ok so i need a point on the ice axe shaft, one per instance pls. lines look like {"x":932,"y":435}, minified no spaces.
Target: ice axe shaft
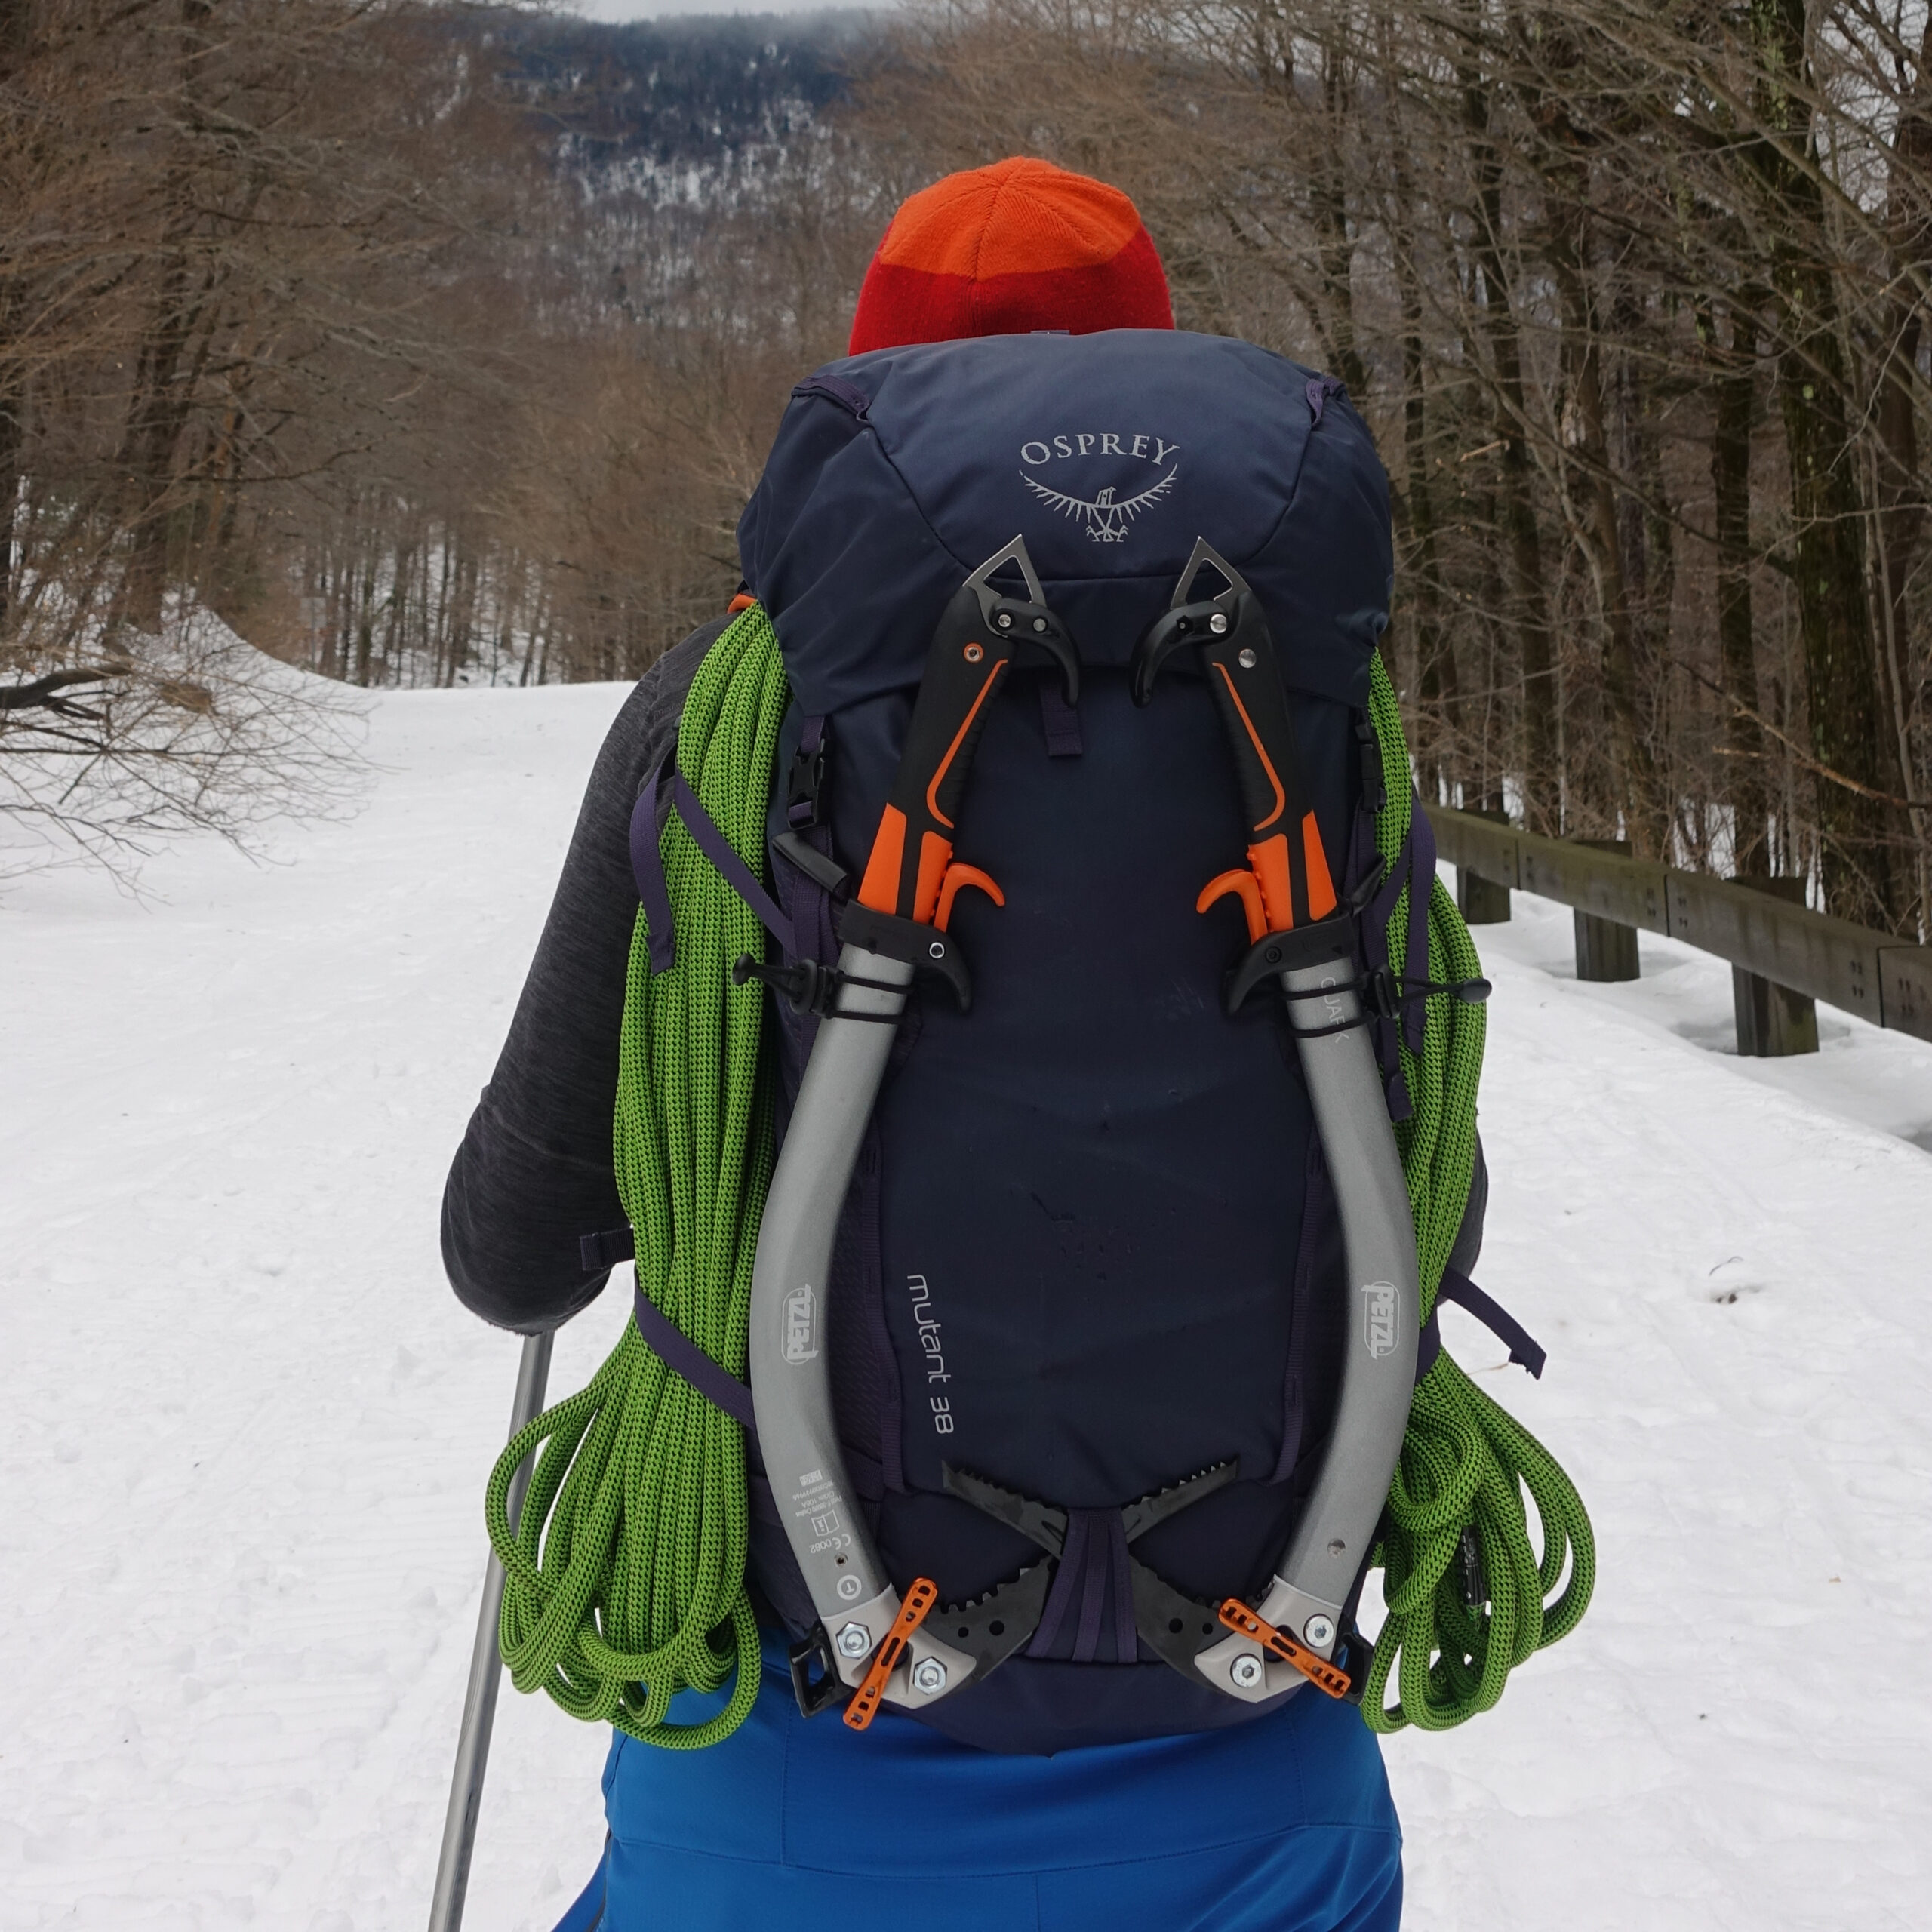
{"x":486,"y":1667}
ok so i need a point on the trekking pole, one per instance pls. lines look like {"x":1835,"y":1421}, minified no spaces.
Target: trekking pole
{"x":486,"y":1665}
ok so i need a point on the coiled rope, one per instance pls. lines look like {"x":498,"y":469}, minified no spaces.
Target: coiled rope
{"x":1464,"y":1462}
{"x":626,"y":1574}
{"x":638,"y":1589}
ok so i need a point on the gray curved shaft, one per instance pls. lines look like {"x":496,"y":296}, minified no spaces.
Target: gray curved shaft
{"x":1378,"y":1234}
{"x":790,"y":1366}
{"x":486,"y":1669}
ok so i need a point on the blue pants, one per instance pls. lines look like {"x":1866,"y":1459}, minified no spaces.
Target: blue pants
{"x":1284,"y":1825}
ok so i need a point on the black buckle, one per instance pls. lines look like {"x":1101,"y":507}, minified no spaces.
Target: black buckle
{"x":803,"y":784}
{"x":1354,"y":1653}
{"x":829,"y":1688}
{"x":1381,"y":993}
{"x":1470,"y":1573}
{"x":807,"y":987}
{"x":825,"y":873}
{"x":1374,"y":783}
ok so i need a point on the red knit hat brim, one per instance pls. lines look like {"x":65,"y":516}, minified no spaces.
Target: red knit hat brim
{"x":1065,"y":252}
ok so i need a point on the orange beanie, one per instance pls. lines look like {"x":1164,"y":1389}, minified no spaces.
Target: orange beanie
{"x":1001,"y":251}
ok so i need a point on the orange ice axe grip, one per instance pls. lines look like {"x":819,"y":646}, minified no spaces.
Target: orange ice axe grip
{"x":1319,"y":1671}
{"x":1228,"y":633}
{"x":956,"y":879}
{"x":1247,"y":888}
{"x":913,"y":846}
{"x":909,"y":873}
{"x":1284,"y":851}
{"x":870,"y":1693}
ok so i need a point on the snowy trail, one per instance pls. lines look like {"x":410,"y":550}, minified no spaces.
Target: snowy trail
{"x":248,"y":1426}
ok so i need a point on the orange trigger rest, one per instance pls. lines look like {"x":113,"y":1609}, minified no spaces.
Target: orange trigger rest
{"x":1246,"y":887}
{"x":956,"y":876}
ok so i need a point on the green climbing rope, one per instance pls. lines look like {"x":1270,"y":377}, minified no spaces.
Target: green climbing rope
{"x":637,"y":1591}
{"x":1464,"y":1462}
{"x":626,"y":1572}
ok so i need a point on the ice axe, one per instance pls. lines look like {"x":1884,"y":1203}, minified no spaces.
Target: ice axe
{"x":486,"y":1665}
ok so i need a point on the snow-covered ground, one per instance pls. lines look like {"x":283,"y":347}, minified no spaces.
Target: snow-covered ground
{"x":247,"y":1426}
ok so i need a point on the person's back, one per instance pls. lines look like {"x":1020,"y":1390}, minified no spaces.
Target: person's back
{"x":1082,"y":1330}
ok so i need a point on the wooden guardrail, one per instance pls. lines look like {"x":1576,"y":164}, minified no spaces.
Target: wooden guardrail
{"x":1871,"y":974}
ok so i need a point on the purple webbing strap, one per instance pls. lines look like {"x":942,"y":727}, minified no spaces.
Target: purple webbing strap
{"x":1094,"y":1582}
{"x":1422,"y":881}
{"x":605,"y":1249}
{"x":848,"y":396}
{"x":1375,"y":925}
{"x":1525,"y":1350}
{"x":680,"y":1353}
{"x":1060,"y":722}
{"x":1072,"y":1565}
{"x":647,"y":865}
{"x":1127,"y":1646}
{"x":731,"y":868}
{"x":1093,"y":1589}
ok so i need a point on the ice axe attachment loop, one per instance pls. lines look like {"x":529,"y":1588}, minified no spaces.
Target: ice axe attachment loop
{"x":869,"y":1641}
{"x":1287,"y":883}
{"x":1302,"y":937}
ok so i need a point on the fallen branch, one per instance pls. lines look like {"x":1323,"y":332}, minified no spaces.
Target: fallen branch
{"x":43,"y":693}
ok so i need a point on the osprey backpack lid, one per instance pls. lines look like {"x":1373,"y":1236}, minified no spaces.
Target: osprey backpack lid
{"x":894,"y":474}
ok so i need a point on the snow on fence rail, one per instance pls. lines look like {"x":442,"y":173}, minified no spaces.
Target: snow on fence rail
{"x":1872,"y":974}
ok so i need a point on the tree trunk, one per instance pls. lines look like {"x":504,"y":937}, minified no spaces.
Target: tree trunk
{"x":160,"y":406}
{"x":1902,"y":508}
{"x":15,"y":30}
{"x":1529,"y":604}
{"x":1645,"y":821}
{"x":11,"y":440}
{"x":1865,"y":874}
{"x":1336,"y":247}
{"x":1436,"y":681}
{"x":1748,"y":792}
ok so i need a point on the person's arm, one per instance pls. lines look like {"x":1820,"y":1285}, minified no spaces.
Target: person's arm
{"x":533,"y":1174}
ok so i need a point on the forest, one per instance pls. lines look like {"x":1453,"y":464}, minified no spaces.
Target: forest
{"x":422,"y":346}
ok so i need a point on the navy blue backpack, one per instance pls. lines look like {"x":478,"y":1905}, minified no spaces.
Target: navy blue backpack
{"x":1090,"y":1249}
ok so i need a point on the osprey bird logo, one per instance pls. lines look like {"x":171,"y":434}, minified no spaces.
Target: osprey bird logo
{"x":1106,"y":520}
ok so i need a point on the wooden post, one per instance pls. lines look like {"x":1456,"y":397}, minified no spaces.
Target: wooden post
{"x":1605,"y":950}
{"x":1772,"y":1020}
{"x":1482,"y":902}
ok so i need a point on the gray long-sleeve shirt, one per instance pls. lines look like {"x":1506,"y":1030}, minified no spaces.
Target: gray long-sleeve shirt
{"x":534,"y":1173}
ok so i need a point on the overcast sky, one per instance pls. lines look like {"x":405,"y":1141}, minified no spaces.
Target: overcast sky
{"x":651,"y":9}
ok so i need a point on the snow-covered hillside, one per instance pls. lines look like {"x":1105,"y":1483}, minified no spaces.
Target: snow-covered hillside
{"x":247,"y":1426}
